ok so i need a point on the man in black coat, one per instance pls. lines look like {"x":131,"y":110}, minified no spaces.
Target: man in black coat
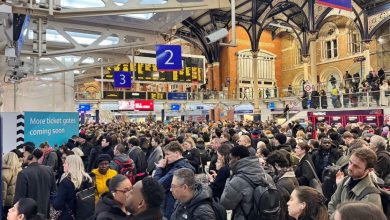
{"x":137,"y":155}
{"x":325,"y":156}
{"x":144,"y":201}
{"x":35,"y":181}
{"x":105,"y":148}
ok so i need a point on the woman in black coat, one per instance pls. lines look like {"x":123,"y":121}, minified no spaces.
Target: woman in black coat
{"x":218,"y":180}
{"x":192,"y":154}
{"x":73,"y":179}
{"x":303,"y":172}
{"x":111,"y":205}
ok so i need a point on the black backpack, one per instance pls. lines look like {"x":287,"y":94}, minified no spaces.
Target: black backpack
{"x":85,"y":203}
{"x":385,"y":197}
{"x":219,"y":210}
{"x":329,"y":185}
{"x":266,"y":201}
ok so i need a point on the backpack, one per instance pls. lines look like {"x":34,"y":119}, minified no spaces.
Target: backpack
{"x":219,"y":210}
{"x":85,"y":204}
{"x":329,"y":185}
{"x":266,"y":201}
{"x":127,"y":168}
{"x":385,"y":197}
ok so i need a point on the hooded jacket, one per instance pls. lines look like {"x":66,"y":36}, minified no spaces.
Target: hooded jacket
{"x":237,"y":195}
{"x":195,"y":209}
{"x":101,"y":180}
{"x":164,"y":176}
{"x":107,"y":208}
{"x":8,"y":185}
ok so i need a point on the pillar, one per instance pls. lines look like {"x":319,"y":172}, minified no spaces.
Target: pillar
{"x":209,"y":76}
{"x":216,"y":77}
{"x":313,"y":62}
{"x":366,"y":53}
{"x":306,"y":68}
{"x":256,"y":110}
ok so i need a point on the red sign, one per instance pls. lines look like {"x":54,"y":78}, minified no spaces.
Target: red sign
{"x":143,"y":105}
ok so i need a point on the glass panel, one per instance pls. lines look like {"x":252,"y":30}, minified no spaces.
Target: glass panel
{"x":146,"y":2}
{"x":111,"y":40}
{"x":83,"y":38}
{"x":145,"y":16}
{"x":82,"y":3}
{"x":51,"y":35}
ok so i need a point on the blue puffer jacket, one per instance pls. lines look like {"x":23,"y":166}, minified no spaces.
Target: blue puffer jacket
{"x":164,"y":177}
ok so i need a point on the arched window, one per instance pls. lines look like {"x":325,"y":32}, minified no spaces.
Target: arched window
{"x":329,"y":44}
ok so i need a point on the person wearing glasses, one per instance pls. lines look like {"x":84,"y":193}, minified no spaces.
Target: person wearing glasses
{"x":112,"y":204}
{"x":102,"y":174}
{"x":73,"y":180}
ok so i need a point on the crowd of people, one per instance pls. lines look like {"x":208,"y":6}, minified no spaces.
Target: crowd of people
{"x":202,"y":170}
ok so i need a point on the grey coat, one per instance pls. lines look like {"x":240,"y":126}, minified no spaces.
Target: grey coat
{"x":341,"y":194}
{"x":237,"y":195}
{"x":195,"y":209}
{"x":153,"y":158}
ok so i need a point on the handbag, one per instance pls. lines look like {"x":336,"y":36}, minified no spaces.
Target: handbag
{"x":387,"y":93}
{"x":54,"y":214}
{"x":315,"y":183}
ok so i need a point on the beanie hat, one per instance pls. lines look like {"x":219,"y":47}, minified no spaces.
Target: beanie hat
{"x":103,"y":157}
{"x":281,"y":138}
{"x":239,"y":151}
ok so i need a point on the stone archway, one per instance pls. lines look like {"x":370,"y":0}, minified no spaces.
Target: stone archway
{"x":326,"y":75}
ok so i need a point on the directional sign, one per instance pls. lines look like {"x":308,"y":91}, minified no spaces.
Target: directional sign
{"x":168,"y":57}
{"x":84,"y":107}
{"x":122,"y":79}
{"x":340,"y":4}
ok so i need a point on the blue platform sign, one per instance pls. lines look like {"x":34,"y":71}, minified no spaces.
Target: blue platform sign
{"x":53,"y":127}
{"x":84,"y":107}
{"x":340,"y":4}
{"x":177,"y":96}
{"x":175,"y":107}
{"x":169,"y":57}
{"x":122,"y":79}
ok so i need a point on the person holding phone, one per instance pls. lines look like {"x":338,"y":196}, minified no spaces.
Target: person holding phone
{"x":218,"y":179}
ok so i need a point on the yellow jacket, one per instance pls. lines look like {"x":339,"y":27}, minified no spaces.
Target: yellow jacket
{"x":101,"y":186}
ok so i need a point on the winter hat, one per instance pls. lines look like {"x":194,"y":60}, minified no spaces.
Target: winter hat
{"x":103,"y":157}
{"x":239,"y":151}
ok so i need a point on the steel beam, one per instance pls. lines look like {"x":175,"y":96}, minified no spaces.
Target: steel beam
{"x":110,"y":8}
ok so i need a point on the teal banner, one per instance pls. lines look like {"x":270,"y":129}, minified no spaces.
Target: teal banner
{"x":54,"y":127}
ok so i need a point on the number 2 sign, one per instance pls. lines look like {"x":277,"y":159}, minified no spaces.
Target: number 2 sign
{"x":122,"y":79}
{"x":169,"y":57}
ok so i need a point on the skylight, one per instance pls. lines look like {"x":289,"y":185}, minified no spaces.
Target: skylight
{"x":156,"y":2}
{"x":145,"y":16}
{"x":81,"y":38}
{"x":82,"y":3}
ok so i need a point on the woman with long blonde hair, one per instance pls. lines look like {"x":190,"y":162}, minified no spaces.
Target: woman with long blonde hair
{"x":10,"y":169}
{"x":74,"y":179}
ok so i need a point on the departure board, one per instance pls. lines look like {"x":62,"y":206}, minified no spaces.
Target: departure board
{"x":193,"y":71}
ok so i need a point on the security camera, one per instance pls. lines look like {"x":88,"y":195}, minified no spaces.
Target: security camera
{"x":216,"y":35}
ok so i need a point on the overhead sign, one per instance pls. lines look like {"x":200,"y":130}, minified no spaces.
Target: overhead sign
{"x":340,"y":4}
{"x":135,"y":95}
{"x":112,"y":94}
{"x":168,"y":57}
{"x":145,"y":69}
{"x":84,"y":107}
{"x":122,"y":79}
{"x":143,"y":105}
{"x":157,"y":95}
{"x":53,"y":127}
{"x":177,"y":96}
{"x":175,"y":107}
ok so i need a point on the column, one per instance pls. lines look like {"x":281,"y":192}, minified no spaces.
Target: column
{"x":306,"y":60}
{"x":366,"y":53}
{"x":313,"y":62}
{"x":209,"y":76}
{"x":217,"y":84}
{"x":255,"y":86}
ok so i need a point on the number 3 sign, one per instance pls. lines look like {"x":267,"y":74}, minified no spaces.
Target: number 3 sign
{"x":122,"y":79}
{"x":168,"y":57}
